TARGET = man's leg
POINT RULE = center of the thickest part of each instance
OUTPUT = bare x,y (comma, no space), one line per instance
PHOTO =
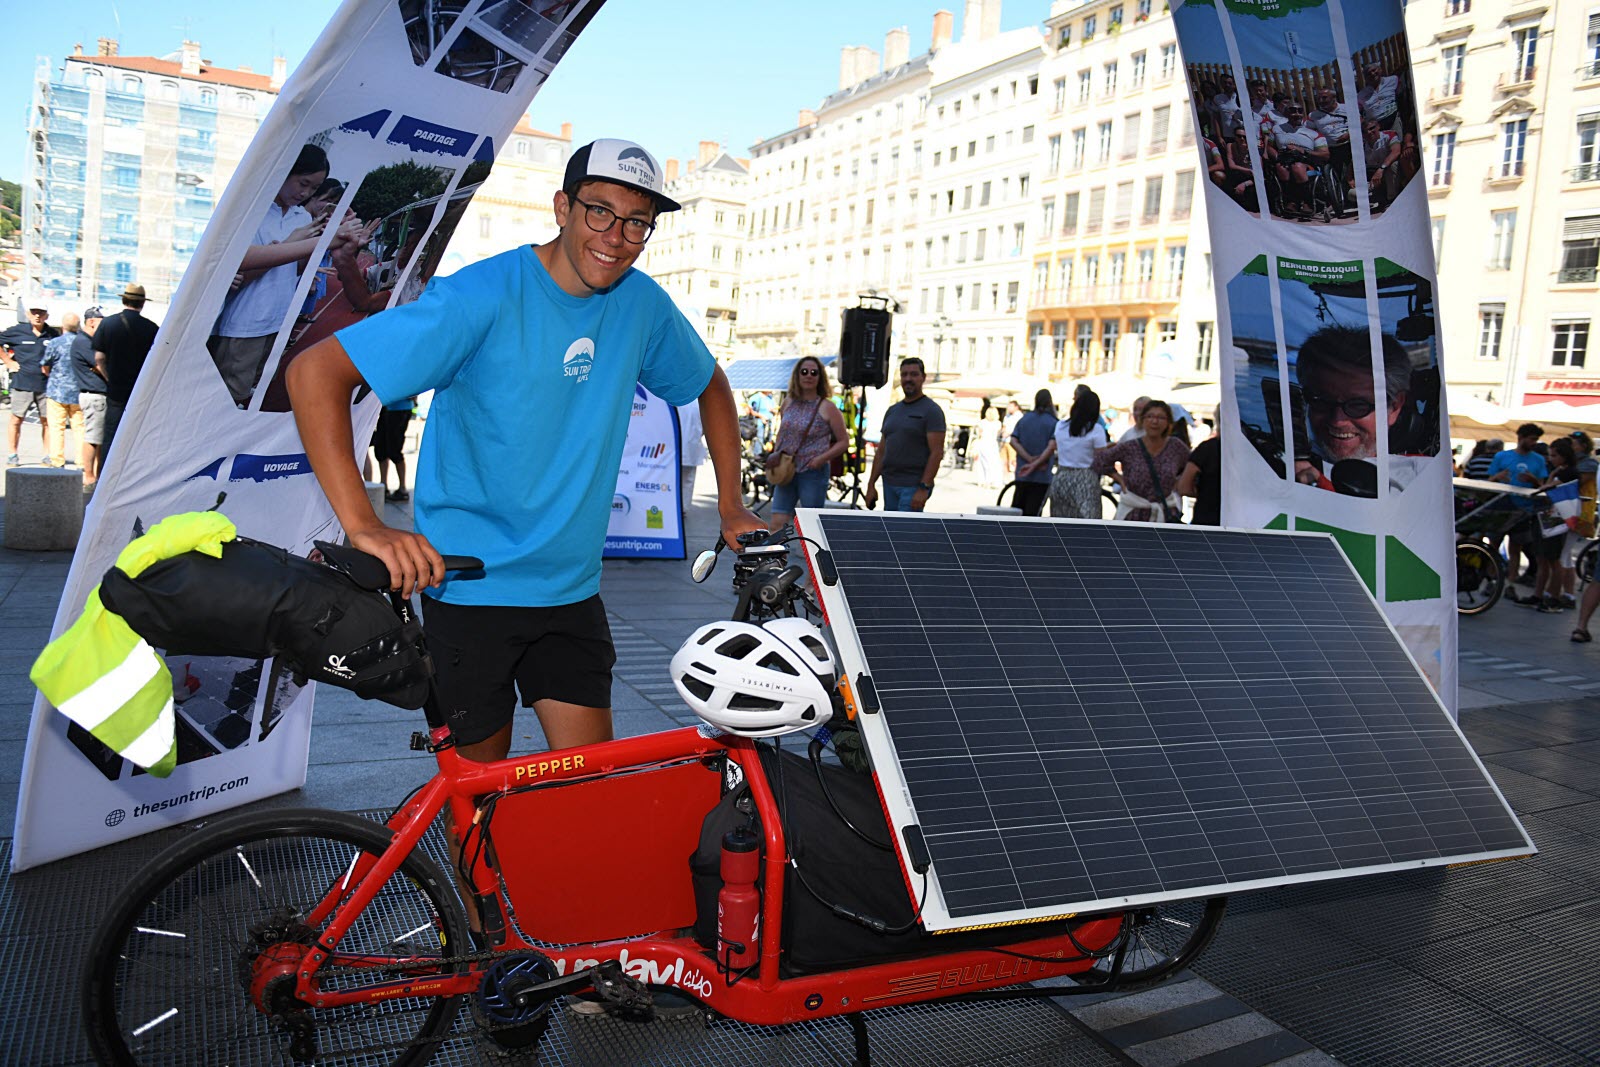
109,433
55,445
13,433
1591,600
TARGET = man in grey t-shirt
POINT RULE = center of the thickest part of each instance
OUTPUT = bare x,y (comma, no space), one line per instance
910,447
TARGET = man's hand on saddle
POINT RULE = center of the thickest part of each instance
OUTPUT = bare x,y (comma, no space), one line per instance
413,563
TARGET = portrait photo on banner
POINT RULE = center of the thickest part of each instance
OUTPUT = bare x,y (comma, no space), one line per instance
1225,139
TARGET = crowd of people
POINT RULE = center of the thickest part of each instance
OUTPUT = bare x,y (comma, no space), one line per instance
1295,138
79,375
1551,546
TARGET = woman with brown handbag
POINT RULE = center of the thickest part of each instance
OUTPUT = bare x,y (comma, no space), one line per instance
810,434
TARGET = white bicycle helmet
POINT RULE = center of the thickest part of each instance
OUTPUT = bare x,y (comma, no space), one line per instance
757,681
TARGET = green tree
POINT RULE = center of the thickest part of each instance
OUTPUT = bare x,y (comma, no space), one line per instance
394,186
10,208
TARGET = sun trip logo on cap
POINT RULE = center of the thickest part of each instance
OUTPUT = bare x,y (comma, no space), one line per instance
579,360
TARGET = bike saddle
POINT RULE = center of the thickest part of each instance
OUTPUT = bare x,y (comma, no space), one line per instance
369,572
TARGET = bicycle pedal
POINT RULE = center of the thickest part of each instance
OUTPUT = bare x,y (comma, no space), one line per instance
624,997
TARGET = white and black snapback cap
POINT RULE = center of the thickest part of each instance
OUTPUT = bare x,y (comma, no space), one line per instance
621,162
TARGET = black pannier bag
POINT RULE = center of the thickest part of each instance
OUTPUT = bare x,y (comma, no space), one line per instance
258,600
841,867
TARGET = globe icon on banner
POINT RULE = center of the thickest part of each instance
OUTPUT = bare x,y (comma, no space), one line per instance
115,817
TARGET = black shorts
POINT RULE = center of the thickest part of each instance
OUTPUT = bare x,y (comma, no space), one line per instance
389,436
1548,547
484,657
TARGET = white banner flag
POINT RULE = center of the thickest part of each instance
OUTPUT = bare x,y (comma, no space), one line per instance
341,207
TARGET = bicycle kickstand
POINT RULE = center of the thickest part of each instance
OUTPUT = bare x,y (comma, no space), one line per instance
858,1028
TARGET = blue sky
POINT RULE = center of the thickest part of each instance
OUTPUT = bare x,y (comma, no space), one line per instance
667,75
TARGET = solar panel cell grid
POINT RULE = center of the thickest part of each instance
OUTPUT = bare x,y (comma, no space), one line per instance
1083,712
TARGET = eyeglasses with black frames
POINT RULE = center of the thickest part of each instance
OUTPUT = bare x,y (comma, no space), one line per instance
1354,407
808,372
601,218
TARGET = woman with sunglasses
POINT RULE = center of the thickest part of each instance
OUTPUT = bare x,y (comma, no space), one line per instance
812,431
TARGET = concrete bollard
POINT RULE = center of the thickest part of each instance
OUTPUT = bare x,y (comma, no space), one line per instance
836,505
995,509
375,493
44,508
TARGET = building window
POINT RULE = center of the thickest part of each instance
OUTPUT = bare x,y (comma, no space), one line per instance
1491,327
1591,49
1457,7
1085,85
1136,77
1053,163
1110,333
1587,165
1089,26
1169,60
1122,207
1085,346
1130,136
1110,79
1160,120
1580,249
1502,235
208,97
1166,331
1183,195
1145,271
1525,44
1064,279
1047,216
1012,293
1152,199
1513,143
1438,238
1452,64
244,100
1069,214
1176,254
132,86
1097,210
1080,145
1103,151
1058,98
1203,346
1442,161
1569,343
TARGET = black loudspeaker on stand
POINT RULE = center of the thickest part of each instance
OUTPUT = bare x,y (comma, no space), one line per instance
864,347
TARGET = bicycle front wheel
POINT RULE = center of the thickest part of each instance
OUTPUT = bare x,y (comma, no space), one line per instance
168,976
1480,578
1161,940
1586,561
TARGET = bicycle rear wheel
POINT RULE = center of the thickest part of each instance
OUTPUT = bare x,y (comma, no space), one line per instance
168,974
1162,939
1480,578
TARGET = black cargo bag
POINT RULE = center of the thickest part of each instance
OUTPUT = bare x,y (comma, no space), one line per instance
258,600
841,868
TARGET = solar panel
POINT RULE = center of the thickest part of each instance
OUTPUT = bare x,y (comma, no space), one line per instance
765,373
1075,716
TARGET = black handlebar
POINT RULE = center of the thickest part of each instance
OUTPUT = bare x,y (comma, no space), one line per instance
369,572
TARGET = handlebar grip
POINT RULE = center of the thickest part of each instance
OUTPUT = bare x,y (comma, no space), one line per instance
462,563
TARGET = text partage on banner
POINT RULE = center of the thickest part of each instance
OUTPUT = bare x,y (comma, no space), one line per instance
647,509
404,116
1333,404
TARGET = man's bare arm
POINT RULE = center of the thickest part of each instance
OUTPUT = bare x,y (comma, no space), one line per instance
720,421
320,383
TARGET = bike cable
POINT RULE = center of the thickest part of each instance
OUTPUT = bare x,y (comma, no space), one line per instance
814,750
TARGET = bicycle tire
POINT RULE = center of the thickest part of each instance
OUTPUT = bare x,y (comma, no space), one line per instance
1163,939
1480,578
179,938
1585,563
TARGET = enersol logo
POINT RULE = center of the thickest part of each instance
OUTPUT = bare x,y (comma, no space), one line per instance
579,360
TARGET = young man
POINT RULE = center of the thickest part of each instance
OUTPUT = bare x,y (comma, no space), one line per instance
533,356
910,448
22,351
1524,468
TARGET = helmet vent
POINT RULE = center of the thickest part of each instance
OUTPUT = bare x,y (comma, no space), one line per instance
746,702
815,647
774,662
709,636
738,646
701,690
697,665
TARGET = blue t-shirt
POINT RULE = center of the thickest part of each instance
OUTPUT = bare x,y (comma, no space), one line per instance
1034,432
534,390
1516,462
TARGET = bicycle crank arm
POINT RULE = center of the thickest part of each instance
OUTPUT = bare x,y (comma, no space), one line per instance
627,997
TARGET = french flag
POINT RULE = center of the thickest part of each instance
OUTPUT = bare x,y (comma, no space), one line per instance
1565,503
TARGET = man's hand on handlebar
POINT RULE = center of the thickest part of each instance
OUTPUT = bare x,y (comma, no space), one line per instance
737,520
413,563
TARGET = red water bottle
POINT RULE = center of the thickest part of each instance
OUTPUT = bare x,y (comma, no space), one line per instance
739,901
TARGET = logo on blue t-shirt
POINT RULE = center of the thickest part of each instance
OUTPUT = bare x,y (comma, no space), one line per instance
579,360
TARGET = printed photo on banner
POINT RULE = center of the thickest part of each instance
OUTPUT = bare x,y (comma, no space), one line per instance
1257,381
496,42
341,232
1386,98
1295,108
1226,140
